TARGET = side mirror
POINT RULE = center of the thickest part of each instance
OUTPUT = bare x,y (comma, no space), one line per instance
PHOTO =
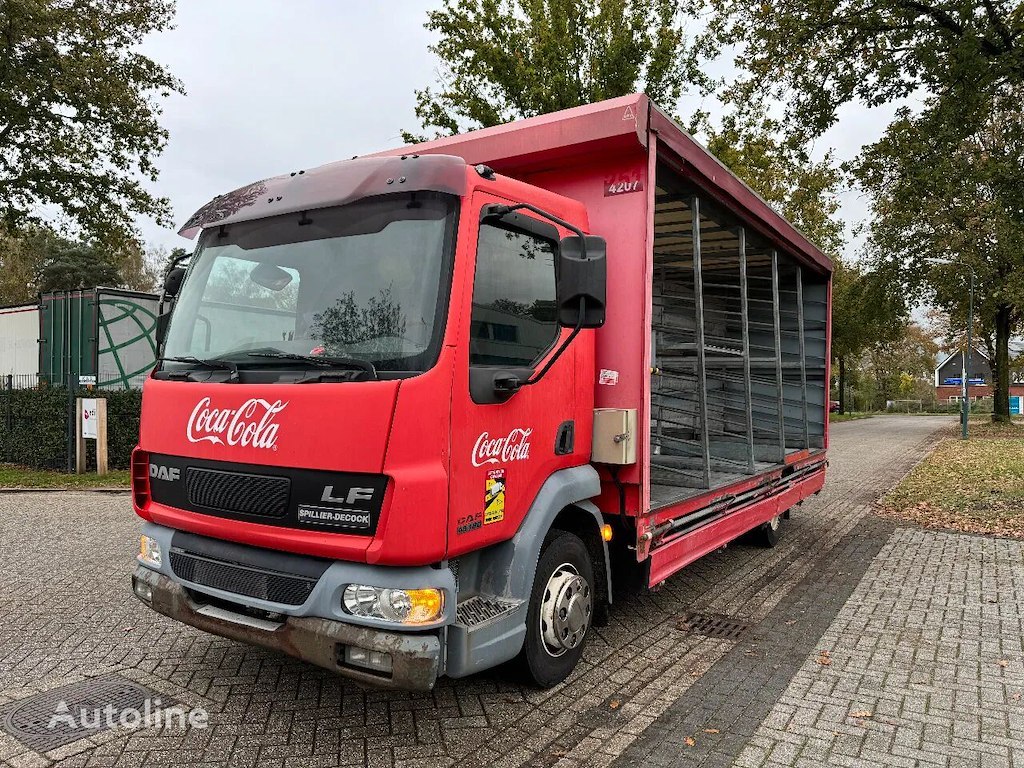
161,329
582,281
172,283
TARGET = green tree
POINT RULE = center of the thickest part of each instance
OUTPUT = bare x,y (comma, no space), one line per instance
960,201
947,178
78,112
40,260
177,253
18,268
502,60
899,365
139,266
778,168
868,309
69,266
817,55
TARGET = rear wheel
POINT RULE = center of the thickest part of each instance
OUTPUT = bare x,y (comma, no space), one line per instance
561,610
769,533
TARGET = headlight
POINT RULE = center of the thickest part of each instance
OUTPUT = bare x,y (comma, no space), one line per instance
405,606
149,552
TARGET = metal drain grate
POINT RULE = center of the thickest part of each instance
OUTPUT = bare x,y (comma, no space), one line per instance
711,625
53,718
479,609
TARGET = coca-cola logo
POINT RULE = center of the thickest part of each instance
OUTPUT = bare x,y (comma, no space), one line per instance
250,424
515,446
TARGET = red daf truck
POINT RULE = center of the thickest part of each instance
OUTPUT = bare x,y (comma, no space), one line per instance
417,413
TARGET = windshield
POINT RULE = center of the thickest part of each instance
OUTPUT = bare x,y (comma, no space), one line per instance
366,281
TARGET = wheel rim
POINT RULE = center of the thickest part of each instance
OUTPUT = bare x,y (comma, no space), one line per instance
775,522
565,610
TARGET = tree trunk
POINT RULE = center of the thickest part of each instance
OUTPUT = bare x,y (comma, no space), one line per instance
842,385
1001,393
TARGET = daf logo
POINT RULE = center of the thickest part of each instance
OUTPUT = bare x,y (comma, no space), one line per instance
161,472
354,495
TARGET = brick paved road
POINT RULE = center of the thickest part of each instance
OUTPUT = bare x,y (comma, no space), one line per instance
931,646
66,612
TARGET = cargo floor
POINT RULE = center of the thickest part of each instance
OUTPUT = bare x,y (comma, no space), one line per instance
667,486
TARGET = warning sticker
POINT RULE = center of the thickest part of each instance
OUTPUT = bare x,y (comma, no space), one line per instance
494,497
608,377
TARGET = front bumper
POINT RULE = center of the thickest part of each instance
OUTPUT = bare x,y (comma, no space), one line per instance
416,657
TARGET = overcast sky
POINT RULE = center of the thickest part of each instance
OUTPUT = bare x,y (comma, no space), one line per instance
273,86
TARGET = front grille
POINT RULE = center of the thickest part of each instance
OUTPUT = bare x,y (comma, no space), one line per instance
238,492
286,589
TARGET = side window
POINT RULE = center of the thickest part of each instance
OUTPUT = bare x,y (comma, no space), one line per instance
514,312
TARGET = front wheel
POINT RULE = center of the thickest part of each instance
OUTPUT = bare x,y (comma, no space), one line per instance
560,612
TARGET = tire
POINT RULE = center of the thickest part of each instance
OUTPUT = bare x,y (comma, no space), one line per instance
769,533
564,584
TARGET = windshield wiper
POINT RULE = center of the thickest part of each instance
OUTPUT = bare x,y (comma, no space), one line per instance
214,362
323,362
327,375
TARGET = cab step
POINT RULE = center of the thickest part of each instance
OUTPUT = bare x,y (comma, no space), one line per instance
480,609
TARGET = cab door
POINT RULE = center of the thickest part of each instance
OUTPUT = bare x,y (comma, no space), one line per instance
506,441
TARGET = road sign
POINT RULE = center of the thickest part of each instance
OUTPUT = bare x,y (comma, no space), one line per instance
92,425
89,420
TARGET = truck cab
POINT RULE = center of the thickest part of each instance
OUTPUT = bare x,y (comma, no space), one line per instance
374,370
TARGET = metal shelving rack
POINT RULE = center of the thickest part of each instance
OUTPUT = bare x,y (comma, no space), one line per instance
738,350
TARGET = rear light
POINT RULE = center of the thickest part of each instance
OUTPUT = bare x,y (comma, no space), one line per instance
140,478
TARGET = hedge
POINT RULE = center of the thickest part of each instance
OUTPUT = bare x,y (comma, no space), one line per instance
33,426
